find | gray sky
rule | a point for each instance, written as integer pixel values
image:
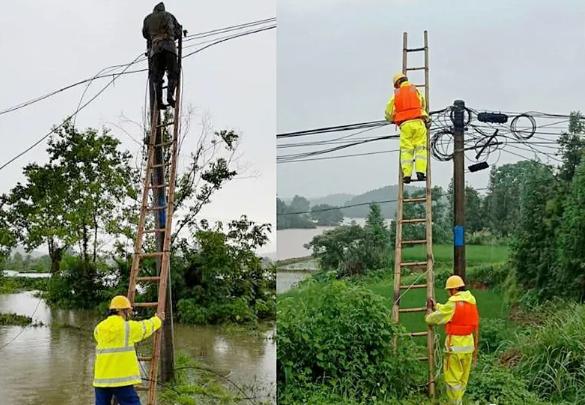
(336, 59)
(51, 44)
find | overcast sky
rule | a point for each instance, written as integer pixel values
(336, 59)
(47, 45)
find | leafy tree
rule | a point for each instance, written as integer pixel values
(533, 247)
(571, 241)
(502, 202)
(326, 215)
(75, 197)
(353, 250)
(286, 217)
(222, 278)
(572, 146)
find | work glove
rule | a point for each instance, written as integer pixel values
(431, 304)
(428, 122)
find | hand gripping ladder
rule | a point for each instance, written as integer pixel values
(427, 265)
(157, 198)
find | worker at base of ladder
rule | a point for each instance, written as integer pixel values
(116, 369)
(407, 109)
(461, 318)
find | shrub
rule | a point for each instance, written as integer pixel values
(493, 335)
(553, 356)
(340, 336)
(492, 383)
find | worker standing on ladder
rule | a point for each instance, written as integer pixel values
(461, 318)
(161, 29)
(116, 365)
(407, 109)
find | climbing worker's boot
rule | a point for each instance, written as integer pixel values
(420, 176)
(406, 179)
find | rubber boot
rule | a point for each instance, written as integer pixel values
(420, 176)
(406, 179)
(170, 92)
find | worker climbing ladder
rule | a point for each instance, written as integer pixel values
(425, 267)
(157, 198)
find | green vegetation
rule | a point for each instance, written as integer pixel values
(337, 335)
(83, 205)
(17, 320)
(526, 273)
(197, 384)
(11, 285)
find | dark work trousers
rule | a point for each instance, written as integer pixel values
(159, 63)
(124, 395)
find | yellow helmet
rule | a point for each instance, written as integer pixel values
(120, 302)
(397, 77)
(454, 282)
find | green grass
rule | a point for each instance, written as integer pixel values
(474, 254)
(489, 303)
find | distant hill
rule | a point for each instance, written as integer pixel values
(335, 200)
(380, 194)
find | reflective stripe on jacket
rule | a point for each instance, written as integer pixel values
(444, 313)
(116, 364)
(406, 104)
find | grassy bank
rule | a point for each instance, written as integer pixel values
(528, 355)
(12, 285)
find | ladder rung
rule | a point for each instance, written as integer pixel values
(404, 287)
(148, 278)
(156, 208)
(155, 230)
(160, 144)
(416, 68)
(159, 165)
(414, 242)
(415, 49)
(150, 254)
(414, 200)
(165, 125)
(413, 220)
(144, 358)
(145, 304)
(415, 309)
(421, 85)
(423, 358)
(158, 185)
(416, 334)
(413, 264)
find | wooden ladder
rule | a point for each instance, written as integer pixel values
(157, 198)
(424, 265)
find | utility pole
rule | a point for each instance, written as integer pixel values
(459, 188)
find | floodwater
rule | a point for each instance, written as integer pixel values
(54, 365)
(290, 242)
(286, 280)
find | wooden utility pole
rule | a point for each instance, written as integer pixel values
(459, 188)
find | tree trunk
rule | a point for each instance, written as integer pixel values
(56, 254)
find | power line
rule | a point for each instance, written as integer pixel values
(337, 208)
(114, 77)
(341, 156)
(101, 75)
(65, 120)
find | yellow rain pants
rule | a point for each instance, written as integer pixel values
(459, 350)
(456, 369)
(413, 147)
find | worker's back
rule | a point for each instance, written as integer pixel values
(160, 29)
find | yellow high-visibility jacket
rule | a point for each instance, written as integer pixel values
(389, 113)
(444, 313)
(116, 364)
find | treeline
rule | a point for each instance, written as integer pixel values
(83, 206)
(300, 214)
(27, 263)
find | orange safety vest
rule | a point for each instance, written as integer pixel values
(465, 320)
(407, 105)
